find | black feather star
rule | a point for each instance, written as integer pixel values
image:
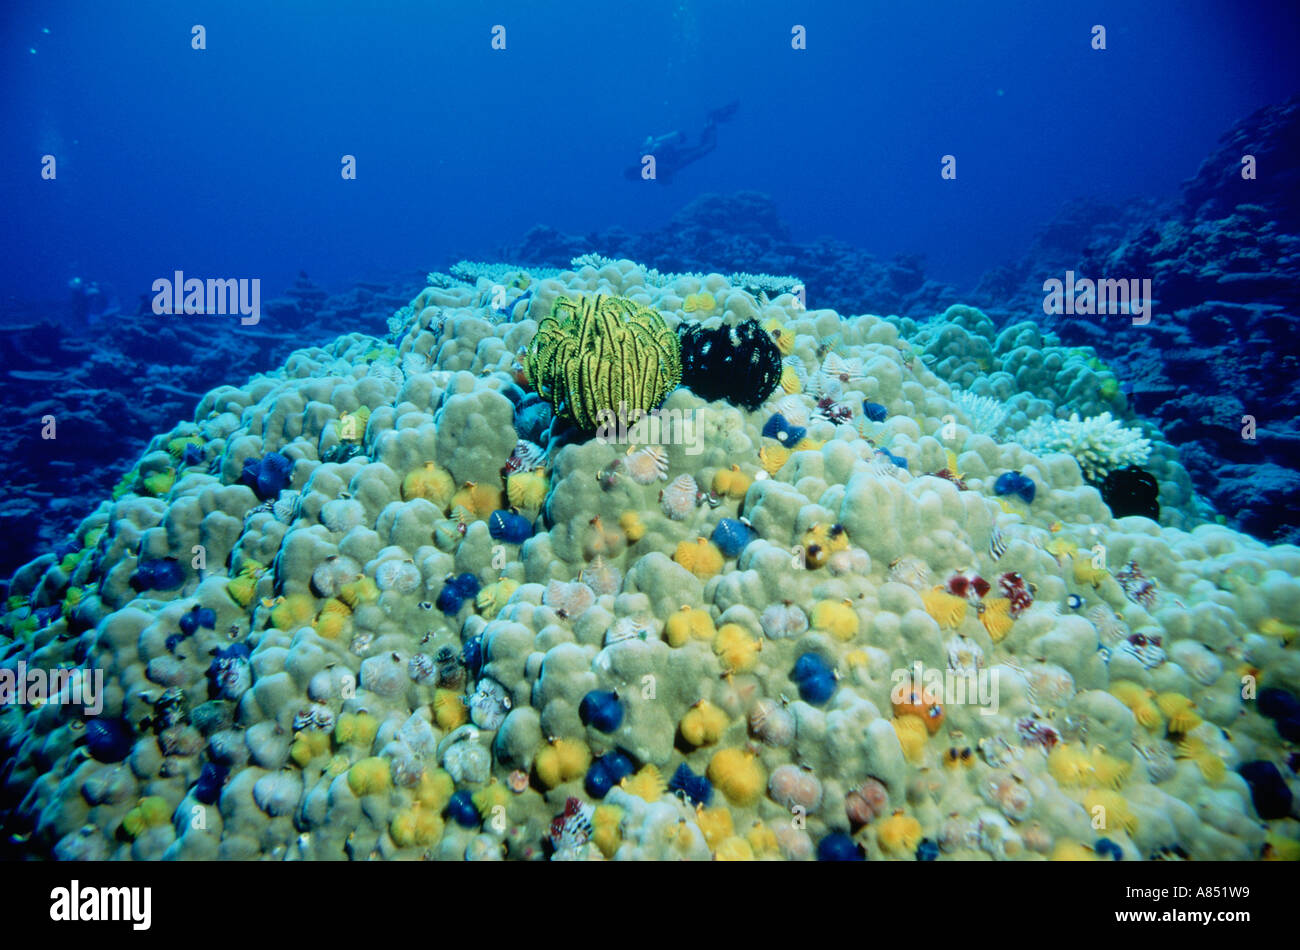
(738, 363)
(1132, 491)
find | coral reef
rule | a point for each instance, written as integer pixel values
(1222, 259)
(374, 661)
(133, 381)
(1224, 269)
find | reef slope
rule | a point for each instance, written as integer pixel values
(324, 634)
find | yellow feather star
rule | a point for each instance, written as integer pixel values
(601, 353)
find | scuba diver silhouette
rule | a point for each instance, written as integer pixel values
(91, 302)
(672, 152)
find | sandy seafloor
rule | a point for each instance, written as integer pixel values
(289, 674)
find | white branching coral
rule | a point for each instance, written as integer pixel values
(472, 271)
(597, 261)
(754, 283)
(1098, 443)
(769, 283)
(986, 414)
(400, 322)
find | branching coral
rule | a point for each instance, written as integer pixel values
(987, 415)
(401, 321)
(471, 271)
(1098, 443)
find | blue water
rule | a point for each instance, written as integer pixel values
(227, 160)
